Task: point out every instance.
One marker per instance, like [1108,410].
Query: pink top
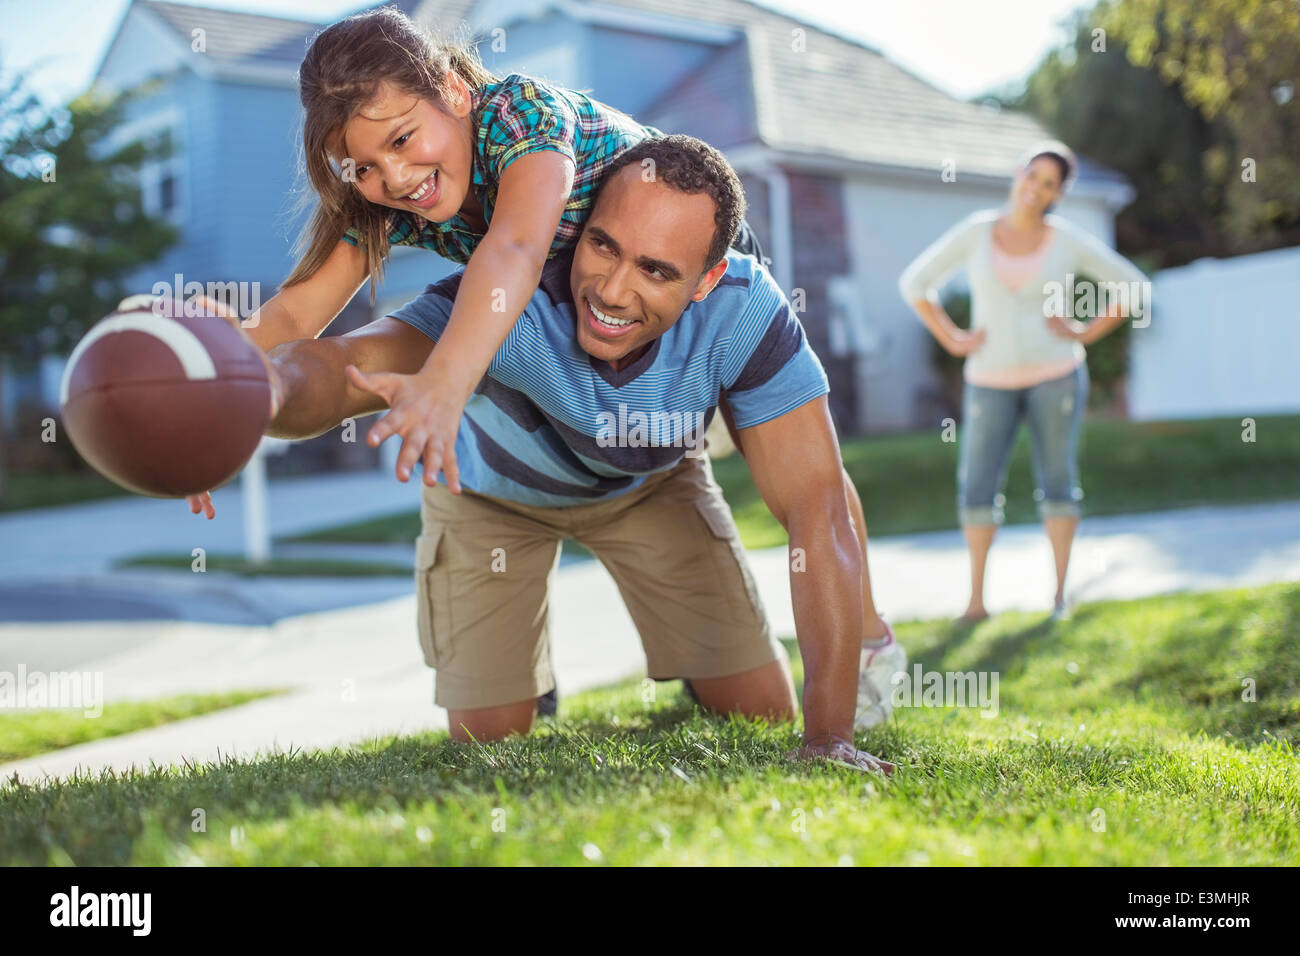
[1014,271]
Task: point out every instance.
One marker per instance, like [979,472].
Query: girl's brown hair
[341,73]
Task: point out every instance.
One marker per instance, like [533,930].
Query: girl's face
[411,155]
[1037,186]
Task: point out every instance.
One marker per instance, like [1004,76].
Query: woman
[1023,360]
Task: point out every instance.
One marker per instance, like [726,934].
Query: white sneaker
[875,687]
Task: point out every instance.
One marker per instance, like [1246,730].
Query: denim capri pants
[990,421]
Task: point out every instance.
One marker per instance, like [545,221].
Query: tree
[1235,61]
[72,226]
[1123,116]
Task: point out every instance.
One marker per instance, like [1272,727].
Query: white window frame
[152,173]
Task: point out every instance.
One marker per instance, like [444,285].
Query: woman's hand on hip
[962,342]
[1065,328]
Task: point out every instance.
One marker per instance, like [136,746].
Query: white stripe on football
[184,344]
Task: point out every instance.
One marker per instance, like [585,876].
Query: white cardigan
[1014,322]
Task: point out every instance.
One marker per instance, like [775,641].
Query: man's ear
[709,280]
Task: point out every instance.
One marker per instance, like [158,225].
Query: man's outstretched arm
[311,390]
[795,462]
[316,394]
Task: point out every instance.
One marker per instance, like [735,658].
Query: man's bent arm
[315,392]
[795,462]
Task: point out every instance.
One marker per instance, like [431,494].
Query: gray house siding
[252,178]
[630,71]
[190,100]
[549,48]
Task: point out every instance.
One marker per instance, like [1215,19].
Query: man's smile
[605,325]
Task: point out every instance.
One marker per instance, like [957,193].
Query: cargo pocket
[432,598]
[729,556]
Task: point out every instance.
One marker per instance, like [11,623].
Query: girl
[408,142]
[1019,363]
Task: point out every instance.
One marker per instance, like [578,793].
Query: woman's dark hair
[691,165]
[1064,157]
[341,73]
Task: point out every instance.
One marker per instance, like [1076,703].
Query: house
[843,153]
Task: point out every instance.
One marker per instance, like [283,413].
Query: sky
[965,47]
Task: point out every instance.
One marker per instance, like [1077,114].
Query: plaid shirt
[514,117]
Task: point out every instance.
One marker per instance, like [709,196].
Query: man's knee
[482,724]
[765,691]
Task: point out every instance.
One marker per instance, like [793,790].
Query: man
[588,425]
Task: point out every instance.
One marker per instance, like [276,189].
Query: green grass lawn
[26,733]
[23,490]
[284,567]
[907,482]
[1122,739]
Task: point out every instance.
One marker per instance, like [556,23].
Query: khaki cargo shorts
[484,565]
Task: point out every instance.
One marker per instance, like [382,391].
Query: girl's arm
[304,310]
[499,279]
[503,272]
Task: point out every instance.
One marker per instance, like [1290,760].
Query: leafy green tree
[72,226]
[1236,61]
[1124,116]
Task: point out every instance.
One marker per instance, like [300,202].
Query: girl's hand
[963,343]
[202,503]
[426,420]
[1067,328]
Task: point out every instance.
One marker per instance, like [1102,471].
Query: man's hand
[426,418]
[842,751]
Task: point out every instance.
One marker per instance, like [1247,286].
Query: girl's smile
[427,194]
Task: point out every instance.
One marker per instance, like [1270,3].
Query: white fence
[1224,340]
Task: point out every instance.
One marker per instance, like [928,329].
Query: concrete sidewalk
[357,673]
[70,540]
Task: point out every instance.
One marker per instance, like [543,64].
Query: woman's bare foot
[974,614]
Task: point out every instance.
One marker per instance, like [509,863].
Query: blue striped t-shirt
[550,425]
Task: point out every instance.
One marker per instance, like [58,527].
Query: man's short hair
[691,165]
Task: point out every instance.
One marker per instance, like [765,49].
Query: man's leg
[491,723]
[873,625]
[483,573]
[675,555]
[766,691]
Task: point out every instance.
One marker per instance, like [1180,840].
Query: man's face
[639,263]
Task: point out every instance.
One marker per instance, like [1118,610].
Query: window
[162,178]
